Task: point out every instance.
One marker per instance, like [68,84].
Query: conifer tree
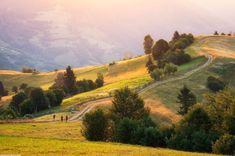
[148,44]
[186,99]
[70,81]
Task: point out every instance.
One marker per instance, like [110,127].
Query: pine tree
[100,80]
[176,36]
[70,81]
[128,104]
[148,44]
[187,99]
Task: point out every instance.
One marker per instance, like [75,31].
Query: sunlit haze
[106,26]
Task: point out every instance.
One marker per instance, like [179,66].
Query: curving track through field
[92,104]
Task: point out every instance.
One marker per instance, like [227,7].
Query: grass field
[37,146]
[65,139]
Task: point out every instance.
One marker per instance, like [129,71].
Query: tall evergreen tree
[100,80]
[186,99]
[148,44]
[70,81]
[128,104]
[176,36]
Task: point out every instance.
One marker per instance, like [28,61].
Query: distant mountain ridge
[54,34]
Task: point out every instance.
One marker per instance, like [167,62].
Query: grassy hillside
[223,66]
[56,138]
[65,139]
[130,73]
[133,73]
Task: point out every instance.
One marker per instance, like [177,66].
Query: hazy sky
[88,26]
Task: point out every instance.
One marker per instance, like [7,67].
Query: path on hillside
[92,104]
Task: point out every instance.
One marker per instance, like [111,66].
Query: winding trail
[88,106]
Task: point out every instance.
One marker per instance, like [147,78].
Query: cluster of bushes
[68,83]
[29,70]
[33,100]
[222,34]
[164,53]
[206,127]
[215,84]
[177,57]
[3,91]
[127,122]
[168,69]
[112,63]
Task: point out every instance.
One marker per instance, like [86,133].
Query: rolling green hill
[55,138]
[132,73]
[223,66]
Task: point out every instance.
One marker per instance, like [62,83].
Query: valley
[211,56]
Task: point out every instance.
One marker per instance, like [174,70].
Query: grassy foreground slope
[223,66]
[65,139]
[54,147]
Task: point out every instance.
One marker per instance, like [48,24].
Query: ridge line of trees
[164,57]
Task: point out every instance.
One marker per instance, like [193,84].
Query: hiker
[54,117]
[67,118]
[62,118]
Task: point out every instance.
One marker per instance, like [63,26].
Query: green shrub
[225,145]
[126,130]
[95,125]
[39,99]
[52,98]
[215,84]
[27,107]
[59,94]
[16,101]
[170,69]
[157,74]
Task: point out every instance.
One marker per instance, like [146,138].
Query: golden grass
[9,72]
[55,147]
[219,53]
[57,130]
[157,108]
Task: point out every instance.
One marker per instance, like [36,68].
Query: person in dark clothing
[54,117]
[62,118]
[67,118]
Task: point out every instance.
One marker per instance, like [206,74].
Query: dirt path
[92,104]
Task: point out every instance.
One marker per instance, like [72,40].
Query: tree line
[67,82]
[30,100]
[216,33]
[205,127]
[164,57]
